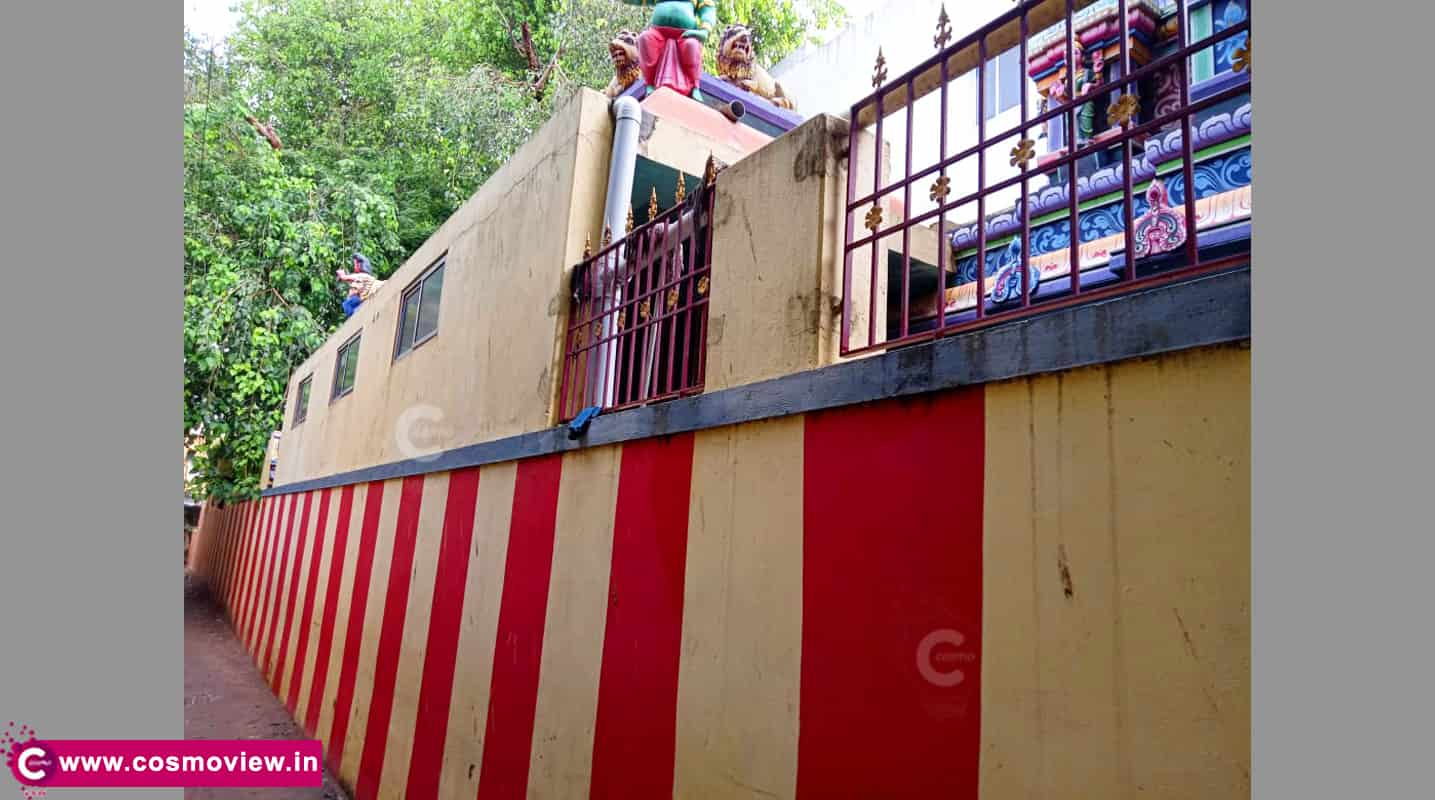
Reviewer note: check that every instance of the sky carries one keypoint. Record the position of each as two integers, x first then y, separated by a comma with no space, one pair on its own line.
209,18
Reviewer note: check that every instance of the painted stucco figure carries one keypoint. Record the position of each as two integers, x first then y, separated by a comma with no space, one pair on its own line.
362,283
670,51
1006,284
1160,229
736,66
624,52
1086,78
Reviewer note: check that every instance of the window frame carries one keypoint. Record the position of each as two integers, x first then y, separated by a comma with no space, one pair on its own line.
302,396
351,342
993,105
416,287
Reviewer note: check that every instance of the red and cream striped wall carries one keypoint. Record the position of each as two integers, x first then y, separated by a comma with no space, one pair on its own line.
1038,588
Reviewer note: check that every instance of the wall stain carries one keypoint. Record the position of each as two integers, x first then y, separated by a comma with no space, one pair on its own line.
1067,588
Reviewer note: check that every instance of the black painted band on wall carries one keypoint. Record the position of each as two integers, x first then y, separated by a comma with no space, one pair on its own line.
1208,310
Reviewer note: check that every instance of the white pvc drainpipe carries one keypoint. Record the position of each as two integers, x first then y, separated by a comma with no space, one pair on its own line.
628,118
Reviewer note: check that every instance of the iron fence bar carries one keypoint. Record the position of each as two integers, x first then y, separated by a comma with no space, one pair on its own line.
702,346
1052,113
1128,209
1025,261
906,212
942,245
1200,105
1188,146
846,321
981,177
876,181
678,270
1074,202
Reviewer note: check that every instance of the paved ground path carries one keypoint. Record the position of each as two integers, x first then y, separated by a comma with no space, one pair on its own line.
226,698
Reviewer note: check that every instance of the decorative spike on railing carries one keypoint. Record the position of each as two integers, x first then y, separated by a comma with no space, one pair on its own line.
653,205
587,247
682,192
607,236
630,218
879,77
944,29
710,171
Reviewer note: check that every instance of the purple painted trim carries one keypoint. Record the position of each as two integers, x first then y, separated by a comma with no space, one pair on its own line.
757,106
1210,86
1159,149
716,87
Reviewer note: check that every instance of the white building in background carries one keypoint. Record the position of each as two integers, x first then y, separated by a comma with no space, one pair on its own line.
831,77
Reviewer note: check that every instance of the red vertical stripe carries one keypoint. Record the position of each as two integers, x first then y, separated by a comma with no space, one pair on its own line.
324,649
391,639
892,599
358,599
270,632
634,736
226,556
445,618
234,593
518,646
251,580
262,569
270,567
241,539
311,585
277,676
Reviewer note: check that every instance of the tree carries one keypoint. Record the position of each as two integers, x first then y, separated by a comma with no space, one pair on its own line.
391,114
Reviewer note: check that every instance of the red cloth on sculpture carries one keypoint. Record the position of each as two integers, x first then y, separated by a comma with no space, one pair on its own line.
667,59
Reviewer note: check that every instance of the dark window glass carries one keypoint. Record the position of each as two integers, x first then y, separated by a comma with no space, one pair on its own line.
346,368
428,306
301,404
418,316
408,322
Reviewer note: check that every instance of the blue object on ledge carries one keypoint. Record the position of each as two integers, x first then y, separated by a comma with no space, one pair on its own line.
579,426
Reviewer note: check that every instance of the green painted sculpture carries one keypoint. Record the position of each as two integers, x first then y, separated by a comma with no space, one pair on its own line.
670,51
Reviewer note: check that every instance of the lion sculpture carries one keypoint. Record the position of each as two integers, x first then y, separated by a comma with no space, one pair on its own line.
624,52
736,66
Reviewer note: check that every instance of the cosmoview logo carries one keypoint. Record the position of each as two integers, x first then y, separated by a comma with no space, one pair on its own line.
35,763
420,432
30,760
940,658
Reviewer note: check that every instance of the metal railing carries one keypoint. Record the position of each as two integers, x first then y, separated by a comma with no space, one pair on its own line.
637,320
1143,89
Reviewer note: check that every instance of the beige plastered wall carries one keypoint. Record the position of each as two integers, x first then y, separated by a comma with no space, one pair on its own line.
778,257
491,370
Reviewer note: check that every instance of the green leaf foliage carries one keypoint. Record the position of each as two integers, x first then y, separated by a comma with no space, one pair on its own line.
391,114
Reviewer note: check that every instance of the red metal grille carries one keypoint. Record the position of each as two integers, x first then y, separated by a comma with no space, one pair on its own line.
1151,59
637,322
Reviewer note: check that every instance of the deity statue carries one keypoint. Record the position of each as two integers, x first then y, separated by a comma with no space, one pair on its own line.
670,51
1086,77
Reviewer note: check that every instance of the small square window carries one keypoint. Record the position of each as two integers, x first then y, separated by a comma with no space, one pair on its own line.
346,367
1002,79
301,403
418,314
